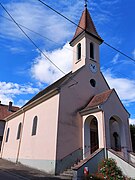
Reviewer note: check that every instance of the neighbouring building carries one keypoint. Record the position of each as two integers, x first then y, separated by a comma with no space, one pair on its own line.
5,111
77,117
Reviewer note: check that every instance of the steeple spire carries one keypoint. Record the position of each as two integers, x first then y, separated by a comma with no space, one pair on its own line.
85,43
86,25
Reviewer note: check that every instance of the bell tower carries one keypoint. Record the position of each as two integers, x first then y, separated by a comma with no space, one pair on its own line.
86,43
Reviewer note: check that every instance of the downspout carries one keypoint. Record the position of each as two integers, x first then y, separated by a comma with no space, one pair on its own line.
4,138
18,152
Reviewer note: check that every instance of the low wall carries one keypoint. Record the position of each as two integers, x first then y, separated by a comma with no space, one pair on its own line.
126,167
47,166
68,161
91,163
132,157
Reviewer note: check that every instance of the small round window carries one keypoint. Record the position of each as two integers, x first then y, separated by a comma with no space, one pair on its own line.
93,82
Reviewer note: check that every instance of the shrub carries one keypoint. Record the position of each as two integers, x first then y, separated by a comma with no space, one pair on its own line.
92,177
109,170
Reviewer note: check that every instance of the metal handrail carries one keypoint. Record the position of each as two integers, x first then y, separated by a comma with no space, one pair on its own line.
120,156
123,154
81,156
70,154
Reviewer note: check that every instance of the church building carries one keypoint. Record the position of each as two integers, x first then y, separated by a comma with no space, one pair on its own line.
76,118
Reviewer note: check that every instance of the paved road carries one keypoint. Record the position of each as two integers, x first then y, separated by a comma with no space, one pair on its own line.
12,171
7,175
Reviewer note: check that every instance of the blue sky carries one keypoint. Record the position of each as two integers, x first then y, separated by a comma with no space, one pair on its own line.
24,71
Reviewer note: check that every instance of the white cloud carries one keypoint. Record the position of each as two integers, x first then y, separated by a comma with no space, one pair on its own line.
104,2
101,18
124,87
37,18
44,71
16,89
8,91
133,54
5,98
115,58
132,121
16,50
21,102
101,11
40,19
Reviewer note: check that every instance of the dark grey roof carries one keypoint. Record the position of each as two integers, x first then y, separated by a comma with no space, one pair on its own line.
53,86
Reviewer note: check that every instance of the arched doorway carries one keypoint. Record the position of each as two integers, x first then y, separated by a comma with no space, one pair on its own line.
115,133
116,141
91,142
94,135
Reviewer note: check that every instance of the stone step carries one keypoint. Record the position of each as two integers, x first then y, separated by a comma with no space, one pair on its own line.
132,163
67,173
65,177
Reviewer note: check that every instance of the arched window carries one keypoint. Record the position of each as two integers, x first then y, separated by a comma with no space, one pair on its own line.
92,50
19,131
34,127
79,51
7,136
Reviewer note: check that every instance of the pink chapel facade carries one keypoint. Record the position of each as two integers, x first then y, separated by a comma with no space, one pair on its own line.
72,118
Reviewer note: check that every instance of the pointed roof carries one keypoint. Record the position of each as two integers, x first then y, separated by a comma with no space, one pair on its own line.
86,25
98,99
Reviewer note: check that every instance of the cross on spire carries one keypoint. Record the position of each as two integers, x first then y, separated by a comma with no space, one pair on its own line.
85,3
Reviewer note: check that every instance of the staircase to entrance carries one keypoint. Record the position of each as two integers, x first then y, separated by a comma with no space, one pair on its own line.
127,166
92,160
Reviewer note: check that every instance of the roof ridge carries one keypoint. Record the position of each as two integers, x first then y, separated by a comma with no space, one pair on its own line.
57,84
89,16
47,89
